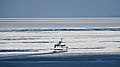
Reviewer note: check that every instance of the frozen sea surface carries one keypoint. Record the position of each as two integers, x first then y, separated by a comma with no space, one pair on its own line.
32,44
78,41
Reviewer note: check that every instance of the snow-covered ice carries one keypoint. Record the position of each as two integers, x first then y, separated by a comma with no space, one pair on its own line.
77,41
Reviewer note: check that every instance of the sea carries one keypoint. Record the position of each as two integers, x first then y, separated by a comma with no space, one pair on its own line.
92,44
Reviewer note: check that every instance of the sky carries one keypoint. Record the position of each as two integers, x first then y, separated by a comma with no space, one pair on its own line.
59,8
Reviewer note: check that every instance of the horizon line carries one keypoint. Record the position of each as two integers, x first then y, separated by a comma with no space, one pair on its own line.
59,19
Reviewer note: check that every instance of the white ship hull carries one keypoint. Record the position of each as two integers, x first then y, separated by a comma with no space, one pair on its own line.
60,50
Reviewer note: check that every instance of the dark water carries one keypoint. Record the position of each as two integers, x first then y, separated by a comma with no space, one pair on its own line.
60,64
64,61
25,50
